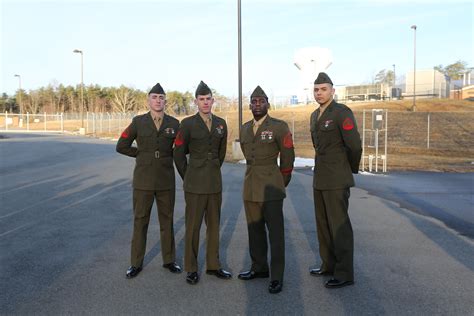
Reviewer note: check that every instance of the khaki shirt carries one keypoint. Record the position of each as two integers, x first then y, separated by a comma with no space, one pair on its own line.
157,118
256,124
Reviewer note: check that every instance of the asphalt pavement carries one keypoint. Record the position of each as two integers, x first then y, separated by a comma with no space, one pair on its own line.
66,224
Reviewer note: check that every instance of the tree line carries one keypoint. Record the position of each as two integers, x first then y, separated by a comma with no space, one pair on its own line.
62,99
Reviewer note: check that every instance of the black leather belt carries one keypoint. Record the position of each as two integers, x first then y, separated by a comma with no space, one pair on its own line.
262,162
208,156
159,154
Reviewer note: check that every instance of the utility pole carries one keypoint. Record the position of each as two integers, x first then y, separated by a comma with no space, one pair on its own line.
82,85
19,95
239,26
414,68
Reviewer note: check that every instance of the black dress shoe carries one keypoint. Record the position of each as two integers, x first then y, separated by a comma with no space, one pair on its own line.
319,272
249,275
275,287
335,283
220,273
173,267
133,272
192,277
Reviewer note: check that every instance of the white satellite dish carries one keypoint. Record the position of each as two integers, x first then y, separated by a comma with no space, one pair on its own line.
310,61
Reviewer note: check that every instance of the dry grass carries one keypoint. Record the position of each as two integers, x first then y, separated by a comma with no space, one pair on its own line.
451,136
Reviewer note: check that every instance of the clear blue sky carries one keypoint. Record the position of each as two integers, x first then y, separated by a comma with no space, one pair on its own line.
179,43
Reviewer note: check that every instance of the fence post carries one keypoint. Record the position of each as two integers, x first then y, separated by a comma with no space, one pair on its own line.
386,139
109,118
376,149
363,140
44,118
93,123
87,122
62,122
428,136
293,129
27,121
100,122
6,119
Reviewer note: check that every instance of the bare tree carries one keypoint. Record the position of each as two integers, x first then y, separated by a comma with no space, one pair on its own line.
124,99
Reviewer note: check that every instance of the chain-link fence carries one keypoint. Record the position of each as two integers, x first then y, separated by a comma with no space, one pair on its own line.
433,130
93,123
448,134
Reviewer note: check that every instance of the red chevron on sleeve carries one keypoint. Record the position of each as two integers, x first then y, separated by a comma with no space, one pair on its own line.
286,171
347,125
179,139
288,140
125,133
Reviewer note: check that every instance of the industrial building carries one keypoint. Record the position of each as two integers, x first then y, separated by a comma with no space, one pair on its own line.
429,83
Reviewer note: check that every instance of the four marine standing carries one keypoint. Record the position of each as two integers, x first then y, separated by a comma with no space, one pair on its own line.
203,137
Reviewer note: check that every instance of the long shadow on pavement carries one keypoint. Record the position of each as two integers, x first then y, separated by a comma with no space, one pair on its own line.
457,247
34,256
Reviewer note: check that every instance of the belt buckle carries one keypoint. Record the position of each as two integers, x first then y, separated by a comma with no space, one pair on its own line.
209,156
157,154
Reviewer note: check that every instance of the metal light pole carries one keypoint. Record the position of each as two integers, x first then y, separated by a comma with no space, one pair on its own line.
394,81
82,85
239,26
414,68
19,93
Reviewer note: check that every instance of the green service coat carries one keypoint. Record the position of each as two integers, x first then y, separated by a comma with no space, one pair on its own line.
154,152
336,141
264,179
206,149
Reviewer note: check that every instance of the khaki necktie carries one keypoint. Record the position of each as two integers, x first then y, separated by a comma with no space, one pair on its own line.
209,123
157,121
255,127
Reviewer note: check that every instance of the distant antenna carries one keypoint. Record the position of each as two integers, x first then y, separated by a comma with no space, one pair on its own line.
310,61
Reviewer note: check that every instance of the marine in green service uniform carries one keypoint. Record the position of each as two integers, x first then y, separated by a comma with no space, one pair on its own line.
338,152
153,178
263,139
204,137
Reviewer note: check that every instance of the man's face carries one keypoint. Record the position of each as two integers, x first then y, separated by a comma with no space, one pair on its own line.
156,102
204,103
323,93
259,107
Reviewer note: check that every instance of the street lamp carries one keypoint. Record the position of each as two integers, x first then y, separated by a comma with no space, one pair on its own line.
82,85
414,68
19,93
239,60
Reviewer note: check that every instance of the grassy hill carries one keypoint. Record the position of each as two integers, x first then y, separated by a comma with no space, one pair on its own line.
451,140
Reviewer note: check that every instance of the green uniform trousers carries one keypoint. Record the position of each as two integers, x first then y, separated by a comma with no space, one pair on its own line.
259,214
142,205
336,239
199,206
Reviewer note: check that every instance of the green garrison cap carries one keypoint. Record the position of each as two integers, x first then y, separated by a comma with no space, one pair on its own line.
258,92
202,89
157,89
323,78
